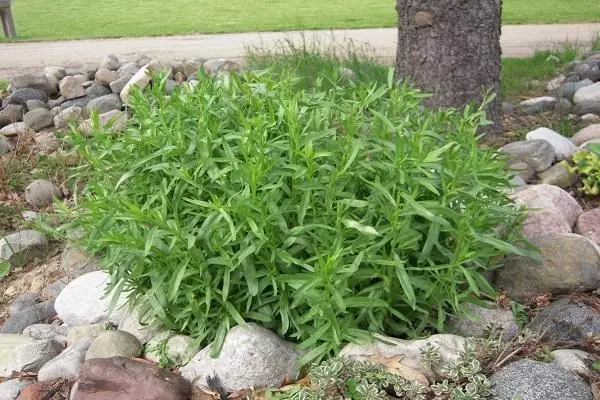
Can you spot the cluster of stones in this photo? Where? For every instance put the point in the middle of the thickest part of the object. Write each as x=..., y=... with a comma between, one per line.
x=38, y=105
x=576, y=92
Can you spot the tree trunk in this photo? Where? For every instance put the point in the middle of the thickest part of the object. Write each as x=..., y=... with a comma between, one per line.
x=451, y=49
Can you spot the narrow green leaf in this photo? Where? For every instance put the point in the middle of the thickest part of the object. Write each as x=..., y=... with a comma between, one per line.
x=404, y=280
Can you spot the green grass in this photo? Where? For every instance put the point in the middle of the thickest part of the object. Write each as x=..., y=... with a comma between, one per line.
x=74, y=19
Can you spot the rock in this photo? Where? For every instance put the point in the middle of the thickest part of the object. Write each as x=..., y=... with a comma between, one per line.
x=46, y=143
x=30, y=357
x=29, y=215
x=66, y=116
x=588, y=107
x=10, y=114
x=563, y=147
x=76, y=262
x=110, y=62
x=215, y=66
x=567, y=320
x=118, y=85
x=170, y=85
x=6, y=145
x=77, y=333
x=563, y=106
x=568, y=89
x=27, y=317
x=16, y=129
x=56, y=102
x=115, y=121
x=588, y=94
x=533, y=380
x=9, y=390
x=36, y=391
x=177, y=350
x=555, y=83
x=71, y=88
x=113, y=344
x=552, y=199
x=538, y=104
x=180, y=77
x=346, y=73
x=558, y=175
x=508, y=108
x=251, y=356
x=53, y=290
x=22, y=247
x=8, y=356
x=124, y=379
x=103, y=104
x=538, y=154
x=35, y=103
x=89, y=70
x=96, y=90
x=105, y=77
x=83, y=301
x=143, y=331
x=409, y=351
x=80, y=102
x=140, y=80
x=67, y=364
x=573, y=361
x=128, y=69
x=57, y=72
x=590, y=118
x=569, y=263
x=191, y=67
x=588, y=225
x=39, y=82
x=477, y=319
x=23, y=301
x=41, y=193
x=38, y=119
x=22, y=96
x=58, y=333
x=588, y=133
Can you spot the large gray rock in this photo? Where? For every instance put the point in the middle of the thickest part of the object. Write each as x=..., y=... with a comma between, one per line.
x=35, y=103
x=30, y=357
x=71, y=88
x=103, y=104
x=563, y=147
x=6, y=145
x=23, y=301
x=57, y=72
x=251, y=356
x=587, y=107
x=549, y=198
x=128, y=69
x=586, y=134
x=216, y=66
x=10, y=389
x=10, y=114
x=41, y=193
x=539, y=154
x=105, y=76
x=140, y=326
x=83, y=301
x=171, y=349
x=38, y=119
x=114, y=343
x=22, y=247
x=76, y=262
x=567, y=320
x=67, y=364
x=568, y=89
x=97, y=90
x=588, y=94
x=8, y=355
x=39, y=82
x=22, y=96
x=118, y=85
x=80, y=102
x=31, y=315
x=16, y=129
x=569, y=263
x=67, y=116
x=58, y=333
x=532, y=380
x=110, y=62
x=588, y=225
x=478, y=319
x=538, y=105
x=558, y=175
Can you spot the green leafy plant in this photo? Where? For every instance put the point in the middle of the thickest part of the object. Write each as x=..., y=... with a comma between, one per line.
x=586, y=164
x=324, y=214
x=4, y=269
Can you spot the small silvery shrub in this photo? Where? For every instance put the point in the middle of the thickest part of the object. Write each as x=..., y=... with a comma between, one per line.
x=322, y=214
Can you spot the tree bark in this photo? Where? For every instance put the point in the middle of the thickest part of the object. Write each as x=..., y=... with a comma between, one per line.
x=451, y=49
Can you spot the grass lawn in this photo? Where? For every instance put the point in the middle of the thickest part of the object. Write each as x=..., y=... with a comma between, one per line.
x=76, y=19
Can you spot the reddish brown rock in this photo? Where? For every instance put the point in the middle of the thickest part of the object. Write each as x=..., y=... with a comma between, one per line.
x=588, y=225
x=128, y=379
x=35, y=391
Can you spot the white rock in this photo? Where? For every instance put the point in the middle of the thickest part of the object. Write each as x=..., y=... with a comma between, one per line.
x=590, y=117
x=66, y=364
x=66, y=116
x=22, y=247
x=449, y=347
x=563, y=147
x=77, y=333
x=8, y=356
x=555, y=83
x=141, y=79
x=573, y=360
x=16, y=129
x=84, y=301
x=252, y=356
x=30, y=357
x=588, y=94
x=142, y=328
x=177, y=349
x=57, y=333
x=10, y=390
x=537, y=100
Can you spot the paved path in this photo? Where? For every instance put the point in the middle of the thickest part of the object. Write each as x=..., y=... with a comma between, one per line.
x=517, y=41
